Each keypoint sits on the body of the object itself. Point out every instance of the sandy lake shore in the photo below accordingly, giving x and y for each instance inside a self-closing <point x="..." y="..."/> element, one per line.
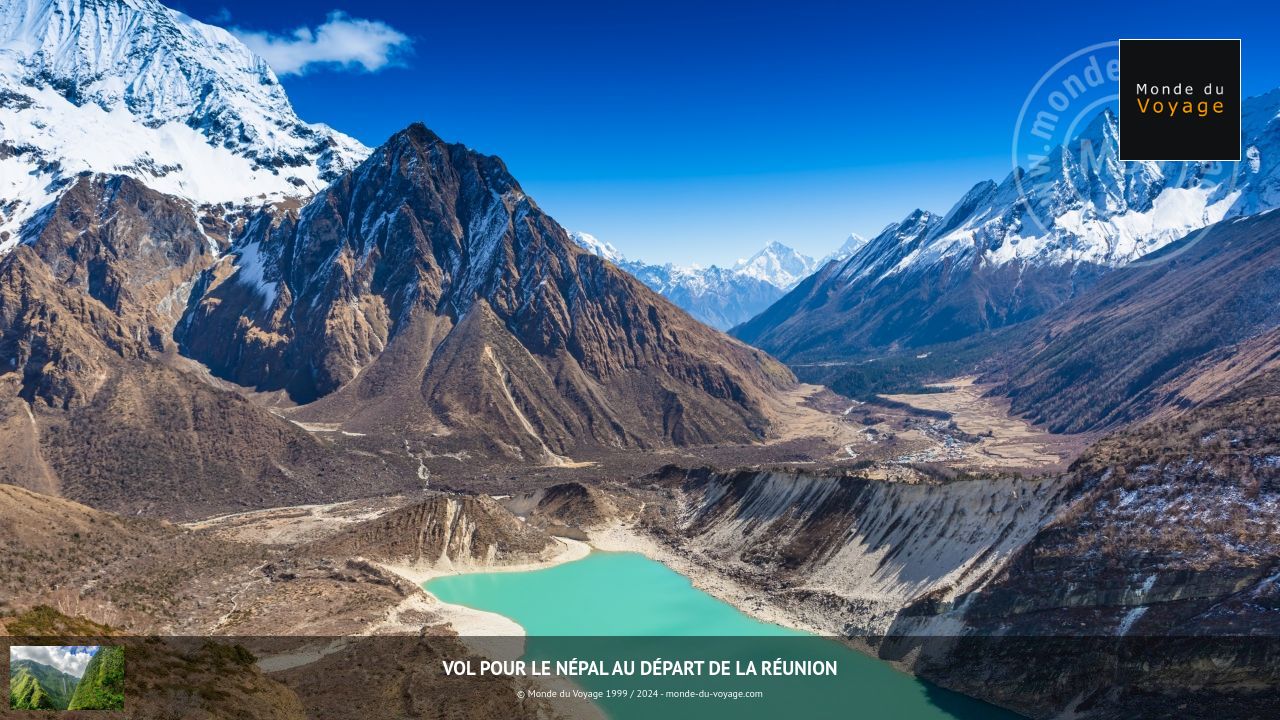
<point x="469" y="622"/>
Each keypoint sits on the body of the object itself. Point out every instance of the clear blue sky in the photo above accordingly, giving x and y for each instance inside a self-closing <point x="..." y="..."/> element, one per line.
<point x="683" y="132"/>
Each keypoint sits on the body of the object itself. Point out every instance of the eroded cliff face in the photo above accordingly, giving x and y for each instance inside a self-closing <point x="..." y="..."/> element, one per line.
<point x="849" y="553"/>
<point x="1144" y="581"/>
<point x="1160" y="577"/>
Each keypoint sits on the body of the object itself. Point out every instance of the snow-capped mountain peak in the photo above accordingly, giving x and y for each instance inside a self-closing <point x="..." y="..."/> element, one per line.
<point x="778" y="265"/>
<point x="598" y="247"/>
<point x="132" y="87"/>
<point x="1009" y="251"/>
<point x="719" y="297"/>
<point x="1080" y="204"/>
<point x="851" y="245"/>
<point x="724" y="297"/>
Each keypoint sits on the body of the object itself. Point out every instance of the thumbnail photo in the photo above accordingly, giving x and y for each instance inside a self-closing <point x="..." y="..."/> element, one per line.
<point x="66" y="677"/>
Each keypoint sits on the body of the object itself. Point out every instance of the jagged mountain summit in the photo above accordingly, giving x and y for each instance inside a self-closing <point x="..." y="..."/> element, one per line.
<point x="777" y="265"/>
<point x="1010" y="251"/>
<point x="851" y="245"/>
<point x="599" y="247"/>
<point x="425" y="293"/>
<point x="719" y="297"/>
<point x="132" y="87"/>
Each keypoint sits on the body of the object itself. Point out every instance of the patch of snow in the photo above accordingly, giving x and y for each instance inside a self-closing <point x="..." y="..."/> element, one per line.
<point x="1131" y="617"/>
<point x="251" y="270"/>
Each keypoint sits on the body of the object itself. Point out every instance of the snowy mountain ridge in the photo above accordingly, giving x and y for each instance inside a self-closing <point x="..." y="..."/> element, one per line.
<point x="132" y="87"/>
<point x="852" y="244"/>
<point x="1082" y="204"/>
<point x="598" y="247"/>
<point x="718" y="296"/>
<point x="1010" y="251"/>
<point x="777" y="265"/>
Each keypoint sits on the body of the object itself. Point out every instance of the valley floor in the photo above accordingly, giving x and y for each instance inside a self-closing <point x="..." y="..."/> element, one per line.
<point x="958" y="425"/>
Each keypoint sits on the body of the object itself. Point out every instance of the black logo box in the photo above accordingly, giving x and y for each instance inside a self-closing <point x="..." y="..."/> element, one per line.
<point x="1189" y="66"/>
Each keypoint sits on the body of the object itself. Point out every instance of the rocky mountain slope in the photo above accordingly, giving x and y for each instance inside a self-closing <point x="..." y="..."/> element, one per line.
<point x="132" y="87"/>
<point x="443" y="531"/>
<point x="97" y="407"/>
<point x="380" y="645"/>
<point x="1011" y="251"/>
<point x="300" y="570"/>
<point x="571" y="507"/>
<point x="129" y="572"/>
<point x="1158" y="578"/>
<point x="425" y="293"/>
<point x="1190" y="322"/>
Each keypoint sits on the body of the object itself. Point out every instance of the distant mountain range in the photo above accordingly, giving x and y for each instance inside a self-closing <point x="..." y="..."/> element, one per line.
<point x="723" y="297"/>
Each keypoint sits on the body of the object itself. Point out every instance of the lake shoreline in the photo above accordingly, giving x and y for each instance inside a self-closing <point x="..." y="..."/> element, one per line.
<point x="748" y="600"/>
<point x="470" y="622"/>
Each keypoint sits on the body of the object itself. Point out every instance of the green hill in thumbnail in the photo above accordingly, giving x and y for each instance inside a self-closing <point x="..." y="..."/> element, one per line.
<point x="102" y="687"/>
<point x="36" y="686"/>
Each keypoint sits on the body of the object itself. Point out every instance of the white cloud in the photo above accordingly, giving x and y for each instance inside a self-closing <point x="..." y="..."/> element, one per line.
<point x="70" y="660"/>
<point x="342" y="42"/>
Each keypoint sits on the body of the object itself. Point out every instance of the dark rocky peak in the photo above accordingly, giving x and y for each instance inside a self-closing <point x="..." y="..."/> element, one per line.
<point x="430" y="255"/>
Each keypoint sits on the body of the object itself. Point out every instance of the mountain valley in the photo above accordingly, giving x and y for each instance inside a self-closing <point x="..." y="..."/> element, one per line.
<point x="251" y="419"/>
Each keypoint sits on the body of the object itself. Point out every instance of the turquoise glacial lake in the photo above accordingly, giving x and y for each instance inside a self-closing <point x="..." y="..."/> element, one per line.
<point x="612" y="606"/>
